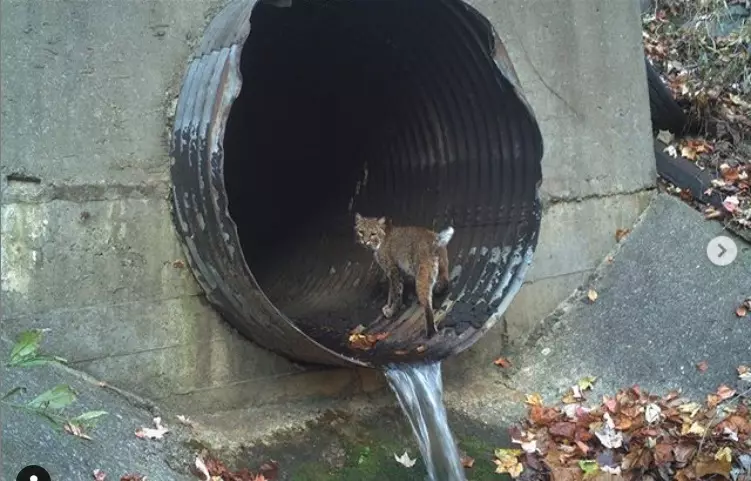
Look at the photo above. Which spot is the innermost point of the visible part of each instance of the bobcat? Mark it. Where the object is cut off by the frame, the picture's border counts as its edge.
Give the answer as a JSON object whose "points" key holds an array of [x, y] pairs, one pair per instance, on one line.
{"points": [[415, 251]]}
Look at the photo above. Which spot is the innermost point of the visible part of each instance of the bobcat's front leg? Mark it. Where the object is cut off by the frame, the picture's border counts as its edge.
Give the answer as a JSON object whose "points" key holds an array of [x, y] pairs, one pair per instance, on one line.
{"points": [[396, 286]]}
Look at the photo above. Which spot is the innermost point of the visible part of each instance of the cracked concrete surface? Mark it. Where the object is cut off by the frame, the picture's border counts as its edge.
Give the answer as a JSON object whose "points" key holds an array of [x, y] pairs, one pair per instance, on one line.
{"points": [[88, 247], [662, 308]]}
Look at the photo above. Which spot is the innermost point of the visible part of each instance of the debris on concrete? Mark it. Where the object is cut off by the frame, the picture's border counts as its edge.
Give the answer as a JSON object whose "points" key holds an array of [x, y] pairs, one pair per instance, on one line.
{"points": [[703, 50], [110, 450], [633, 435]]}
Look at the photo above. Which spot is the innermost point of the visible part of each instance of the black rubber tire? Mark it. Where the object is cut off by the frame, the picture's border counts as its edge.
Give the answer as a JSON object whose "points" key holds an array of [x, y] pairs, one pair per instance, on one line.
{"points": [[665, 112]]}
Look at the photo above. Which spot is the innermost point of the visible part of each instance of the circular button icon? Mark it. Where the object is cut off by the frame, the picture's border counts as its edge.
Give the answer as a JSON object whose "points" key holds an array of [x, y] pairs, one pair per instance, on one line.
{"points": [[33, 473], [722, 250]]}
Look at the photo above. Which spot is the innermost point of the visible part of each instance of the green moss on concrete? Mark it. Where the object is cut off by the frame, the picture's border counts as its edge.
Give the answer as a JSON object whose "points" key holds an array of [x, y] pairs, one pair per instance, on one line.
{"points": [[347, 448]]}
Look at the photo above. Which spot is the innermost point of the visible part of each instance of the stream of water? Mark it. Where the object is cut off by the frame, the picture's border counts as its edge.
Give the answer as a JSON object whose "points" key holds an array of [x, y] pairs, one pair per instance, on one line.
{"points": [[419, 389]]}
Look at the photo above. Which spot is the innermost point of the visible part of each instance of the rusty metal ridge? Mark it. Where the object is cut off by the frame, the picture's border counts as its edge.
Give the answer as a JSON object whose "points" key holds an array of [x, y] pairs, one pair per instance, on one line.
{"points": [[211, 84]]}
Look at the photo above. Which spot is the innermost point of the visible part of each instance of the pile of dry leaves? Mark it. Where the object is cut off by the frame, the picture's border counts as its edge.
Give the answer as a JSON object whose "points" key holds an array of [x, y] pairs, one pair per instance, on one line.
{"points": [[211, 469], [703, 50], [634, 436]]}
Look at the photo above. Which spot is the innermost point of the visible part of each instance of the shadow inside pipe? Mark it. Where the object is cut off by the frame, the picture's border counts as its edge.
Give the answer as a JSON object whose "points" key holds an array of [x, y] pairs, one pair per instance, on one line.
{"points": [[387, 108]]}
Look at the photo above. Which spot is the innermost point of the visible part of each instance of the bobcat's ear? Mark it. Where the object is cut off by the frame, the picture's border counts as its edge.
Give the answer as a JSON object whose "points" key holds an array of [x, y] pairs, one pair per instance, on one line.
{"points": [[358, 217], [382, 221]]}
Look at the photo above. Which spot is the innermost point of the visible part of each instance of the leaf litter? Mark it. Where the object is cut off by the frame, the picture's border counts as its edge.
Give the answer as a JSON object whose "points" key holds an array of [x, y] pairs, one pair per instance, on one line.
{"points": [[703, 51], [633, 436], [209, 468]]}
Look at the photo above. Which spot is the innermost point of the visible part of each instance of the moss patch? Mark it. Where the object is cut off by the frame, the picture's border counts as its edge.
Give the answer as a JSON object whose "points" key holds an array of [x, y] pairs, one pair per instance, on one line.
{"points": [[343, 447]]}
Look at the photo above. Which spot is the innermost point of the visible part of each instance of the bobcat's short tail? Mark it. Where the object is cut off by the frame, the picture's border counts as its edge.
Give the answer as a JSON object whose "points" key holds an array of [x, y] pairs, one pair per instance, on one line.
{"points": [[444, 237]]}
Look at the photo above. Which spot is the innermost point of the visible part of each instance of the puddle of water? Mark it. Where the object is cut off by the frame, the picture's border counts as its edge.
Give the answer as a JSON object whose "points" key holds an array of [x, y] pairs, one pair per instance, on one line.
{"points": [[419, 390]]}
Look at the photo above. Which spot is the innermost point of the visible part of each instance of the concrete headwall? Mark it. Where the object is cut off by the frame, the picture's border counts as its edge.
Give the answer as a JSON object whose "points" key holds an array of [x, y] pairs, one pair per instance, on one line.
{"points": [[88, 246]]}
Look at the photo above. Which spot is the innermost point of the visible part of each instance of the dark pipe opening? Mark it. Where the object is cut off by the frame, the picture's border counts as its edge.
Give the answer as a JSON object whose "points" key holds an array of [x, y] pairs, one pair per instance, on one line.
{"points": [[390, 107], [291, 119]]}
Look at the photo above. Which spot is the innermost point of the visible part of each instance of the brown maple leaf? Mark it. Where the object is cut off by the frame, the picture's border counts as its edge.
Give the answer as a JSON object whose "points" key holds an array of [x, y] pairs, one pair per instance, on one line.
{"points": [[502, 362]]}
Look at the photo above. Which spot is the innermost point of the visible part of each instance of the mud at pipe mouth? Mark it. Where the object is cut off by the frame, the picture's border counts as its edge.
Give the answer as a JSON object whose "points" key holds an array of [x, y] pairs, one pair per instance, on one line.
{"points": [[407, 109]]}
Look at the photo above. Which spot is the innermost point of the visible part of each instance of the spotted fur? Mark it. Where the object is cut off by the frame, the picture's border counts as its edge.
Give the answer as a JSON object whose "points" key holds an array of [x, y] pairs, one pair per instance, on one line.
{"points": [[413, 251]]}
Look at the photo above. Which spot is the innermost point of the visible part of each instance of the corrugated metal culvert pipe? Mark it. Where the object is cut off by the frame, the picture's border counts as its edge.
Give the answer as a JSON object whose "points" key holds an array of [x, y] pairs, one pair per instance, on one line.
{"points": [[293, 117]]}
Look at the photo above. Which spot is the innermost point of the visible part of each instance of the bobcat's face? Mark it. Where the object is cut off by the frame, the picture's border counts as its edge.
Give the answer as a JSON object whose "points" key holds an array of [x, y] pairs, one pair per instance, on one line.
{"points": [[370, 231]]}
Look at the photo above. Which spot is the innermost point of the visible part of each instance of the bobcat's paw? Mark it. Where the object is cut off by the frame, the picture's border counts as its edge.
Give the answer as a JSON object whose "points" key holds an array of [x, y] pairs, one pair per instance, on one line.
{"points": [[388, 311]]}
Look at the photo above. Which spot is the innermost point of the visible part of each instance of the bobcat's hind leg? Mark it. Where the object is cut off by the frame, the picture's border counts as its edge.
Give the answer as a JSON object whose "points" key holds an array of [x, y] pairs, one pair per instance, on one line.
{"points": [[442, 283], [424, 283]]}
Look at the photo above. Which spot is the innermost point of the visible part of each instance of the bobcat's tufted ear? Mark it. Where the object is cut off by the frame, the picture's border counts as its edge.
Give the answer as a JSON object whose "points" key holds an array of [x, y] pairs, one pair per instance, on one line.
{"points": [[358, 217]]}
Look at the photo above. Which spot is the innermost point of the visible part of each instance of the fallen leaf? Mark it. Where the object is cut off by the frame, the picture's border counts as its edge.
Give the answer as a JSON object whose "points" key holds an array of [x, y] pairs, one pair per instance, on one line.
{"points": [[542, 416], [729, 434], [741, 311], [202, 470], [405, 460], [744, 372], [688, 152], [589, 466], [529, 447], [696, 428], [636, 459], [663, 453], [712, 466], [586, 383], [731, 203], [592, 295], [365, 342], [615, 473], [502, 362], [153, 433], [583, 447], [608, 436], [724, 392], [534, 399], [99, 475], [665, 136], [713, 400], [724, 454], [563, 429], [570, 397], [702, 366], [671, 151], [507, 462], [690, 408], [563, 473], [623, 423], [467, 461], [178, 264], [652, 413], [269, 470], [621, 233], [421, 348], [683, 452], [184, 420], [610, 403]]}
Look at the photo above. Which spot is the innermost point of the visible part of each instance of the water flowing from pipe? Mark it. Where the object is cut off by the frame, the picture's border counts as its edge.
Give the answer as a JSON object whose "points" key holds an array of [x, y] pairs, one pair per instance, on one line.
{"points": [[419, 390]]}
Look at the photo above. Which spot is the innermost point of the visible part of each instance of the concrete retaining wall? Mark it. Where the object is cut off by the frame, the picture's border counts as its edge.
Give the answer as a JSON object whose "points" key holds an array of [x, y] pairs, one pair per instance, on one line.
{"points": [[89, 251]]}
